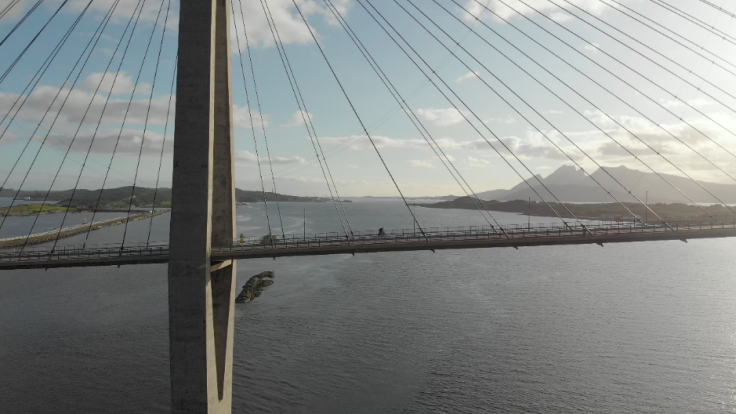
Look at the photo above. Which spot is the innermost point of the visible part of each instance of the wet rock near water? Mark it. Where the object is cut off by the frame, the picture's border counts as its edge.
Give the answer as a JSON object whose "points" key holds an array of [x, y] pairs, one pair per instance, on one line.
{"points": [[253, 288]]}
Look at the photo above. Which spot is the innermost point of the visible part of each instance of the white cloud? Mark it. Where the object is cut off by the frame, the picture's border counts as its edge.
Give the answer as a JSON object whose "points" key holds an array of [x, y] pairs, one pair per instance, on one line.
{"points": [[297, 119], [469, 75], [532, 146], [608, 152], [249, 157], [593, 48], [361, 142], [560, 17], [16, 11], [125, 9], [696, 103], [528, 148], [105, 51], [128, 142], [442, 116], [288, 160], [598, 117], [242, 119], [552, 112], [421, 164], [7, 135], [508, 120], [477, 162], [511, 7], [290, 26], [123, 84], [37, 105]]}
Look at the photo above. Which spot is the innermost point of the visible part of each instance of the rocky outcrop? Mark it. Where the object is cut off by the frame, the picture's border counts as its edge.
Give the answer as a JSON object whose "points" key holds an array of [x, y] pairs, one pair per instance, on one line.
{"points": [[254, 286]]}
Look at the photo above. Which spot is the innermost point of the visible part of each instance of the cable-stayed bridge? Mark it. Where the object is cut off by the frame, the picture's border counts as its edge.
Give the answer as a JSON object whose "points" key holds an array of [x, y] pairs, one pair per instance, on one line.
{"points": [[62, 44]]}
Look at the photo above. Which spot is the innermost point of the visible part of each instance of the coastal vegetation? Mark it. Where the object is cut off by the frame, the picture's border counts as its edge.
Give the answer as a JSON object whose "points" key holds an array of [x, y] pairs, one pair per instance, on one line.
{"points": [[33, 209], [598, 211], [119, 199]]}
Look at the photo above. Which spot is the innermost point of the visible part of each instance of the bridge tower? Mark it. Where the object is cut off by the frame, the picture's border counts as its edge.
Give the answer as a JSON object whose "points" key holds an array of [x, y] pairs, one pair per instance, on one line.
{"points": [[202, 292]]}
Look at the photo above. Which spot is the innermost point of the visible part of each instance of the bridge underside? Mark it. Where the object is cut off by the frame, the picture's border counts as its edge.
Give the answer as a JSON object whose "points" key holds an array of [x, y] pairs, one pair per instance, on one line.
{"points": [[372, 245]]}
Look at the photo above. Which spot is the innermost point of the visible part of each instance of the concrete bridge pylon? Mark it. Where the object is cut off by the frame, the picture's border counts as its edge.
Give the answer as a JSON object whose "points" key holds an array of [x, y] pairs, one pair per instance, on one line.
{"points": [[202, 292]]}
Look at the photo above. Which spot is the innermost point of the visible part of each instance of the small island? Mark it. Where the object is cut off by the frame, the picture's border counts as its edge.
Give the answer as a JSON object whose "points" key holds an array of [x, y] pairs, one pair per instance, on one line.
{"points": [[253, 288]]}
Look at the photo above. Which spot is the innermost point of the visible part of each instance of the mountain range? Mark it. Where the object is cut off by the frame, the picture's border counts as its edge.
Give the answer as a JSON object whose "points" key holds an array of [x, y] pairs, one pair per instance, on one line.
{"points": [[570, 184]]}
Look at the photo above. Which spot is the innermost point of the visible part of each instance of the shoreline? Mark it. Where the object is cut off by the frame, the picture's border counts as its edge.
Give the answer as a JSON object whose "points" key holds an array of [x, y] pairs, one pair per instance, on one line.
{"points": [[590, 211]]}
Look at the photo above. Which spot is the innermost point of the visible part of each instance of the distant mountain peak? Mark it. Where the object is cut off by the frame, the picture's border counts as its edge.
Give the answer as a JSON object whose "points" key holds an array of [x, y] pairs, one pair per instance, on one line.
{"points": [[571, 184], [565, 175]]}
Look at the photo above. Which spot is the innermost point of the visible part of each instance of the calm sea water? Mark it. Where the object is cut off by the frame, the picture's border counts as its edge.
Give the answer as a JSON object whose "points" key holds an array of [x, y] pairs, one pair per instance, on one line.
{"points": [[642, 327]]}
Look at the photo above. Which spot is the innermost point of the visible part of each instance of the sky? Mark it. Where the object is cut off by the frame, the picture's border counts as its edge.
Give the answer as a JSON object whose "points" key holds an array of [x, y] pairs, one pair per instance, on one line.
{"points": [[546, 82]]}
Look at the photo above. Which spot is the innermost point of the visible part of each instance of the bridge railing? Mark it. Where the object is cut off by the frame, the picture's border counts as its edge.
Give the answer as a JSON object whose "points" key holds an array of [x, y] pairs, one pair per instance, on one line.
{"points": [[85, 252], [394, 236], [371, 237]]}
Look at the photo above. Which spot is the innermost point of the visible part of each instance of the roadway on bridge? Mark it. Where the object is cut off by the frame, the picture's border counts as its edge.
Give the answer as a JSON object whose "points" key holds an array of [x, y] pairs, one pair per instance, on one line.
{"points": [[393, 241]]}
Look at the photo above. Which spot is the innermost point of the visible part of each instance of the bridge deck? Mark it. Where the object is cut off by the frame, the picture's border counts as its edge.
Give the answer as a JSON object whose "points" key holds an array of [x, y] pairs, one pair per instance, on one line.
{"points": [[402, 240]]}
